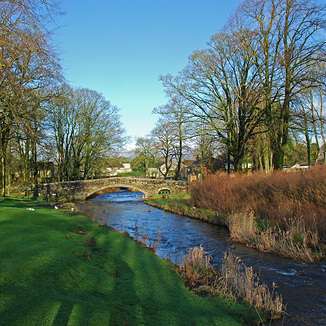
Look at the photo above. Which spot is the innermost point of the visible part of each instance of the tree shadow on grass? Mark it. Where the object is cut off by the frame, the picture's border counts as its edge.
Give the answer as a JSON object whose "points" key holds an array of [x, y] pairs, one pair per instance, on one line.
{"points": [[63, 315], [162, 299], [16, 202]]}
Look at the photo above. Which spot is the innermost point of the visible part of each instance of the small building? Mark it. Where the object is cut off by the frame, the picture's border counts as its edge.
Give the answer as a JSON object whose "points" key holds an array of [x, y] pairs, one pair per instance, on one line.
{"points": [[123, 168]]}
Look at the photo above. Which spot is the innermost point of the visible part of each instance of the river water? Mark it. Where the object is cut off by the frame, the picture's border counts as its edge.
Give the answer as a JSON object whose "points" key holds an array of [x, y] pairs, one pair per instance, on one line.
{"points": [[303, 286]]}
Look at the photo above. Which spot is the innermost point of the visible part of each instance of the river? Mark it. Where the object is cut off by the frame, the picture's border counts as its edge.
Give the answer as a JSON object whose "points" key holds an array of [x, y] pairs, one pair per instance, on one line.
{"points": [[303, 286]]}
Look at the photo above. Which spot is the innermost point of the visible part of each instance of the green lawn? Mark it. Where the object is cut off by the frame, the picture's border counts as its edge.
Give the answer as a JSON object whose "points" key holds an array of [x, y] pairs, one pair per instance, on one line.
{"points": [[57, 269]]}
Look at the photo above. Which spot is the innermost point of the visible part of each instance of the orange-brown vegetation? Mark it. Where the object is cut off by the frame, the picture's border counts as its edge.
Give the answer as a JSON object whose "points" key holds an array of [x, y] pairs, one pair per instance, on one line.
{"points": [[265, 209]]}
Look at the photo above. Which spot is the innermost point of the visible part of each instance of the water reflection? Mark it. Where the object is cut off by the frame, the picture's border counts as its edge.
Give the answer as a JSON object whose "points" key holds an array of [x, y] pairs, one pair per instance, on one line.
{"points": [[303, 286]]}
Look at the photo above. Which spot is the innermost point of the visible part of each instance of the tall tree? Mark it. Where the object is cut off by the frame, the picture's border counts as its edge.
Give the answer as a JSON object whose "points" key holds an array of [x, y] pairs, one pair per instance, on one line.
{"points": [[290, 34], [62, 122], [27, 63], [85, 129], [175, 113], [220, 89]]}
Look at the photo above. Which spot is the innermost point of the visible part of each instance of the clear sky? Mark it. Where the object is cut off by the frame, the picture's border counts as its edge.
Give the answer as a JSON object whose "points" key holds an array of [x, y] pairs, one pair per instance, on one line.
{"points": [[120, 47]]}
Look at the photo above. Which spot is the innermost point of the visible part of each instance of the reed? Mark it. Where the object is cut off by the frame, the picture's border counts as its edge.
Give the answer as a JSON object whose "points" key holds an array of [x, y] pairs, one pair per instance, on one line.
{"points": [[295, 242], [293, 203], [240, 282], [234, 280], [242, 228], [197, 270], [141, 236]]}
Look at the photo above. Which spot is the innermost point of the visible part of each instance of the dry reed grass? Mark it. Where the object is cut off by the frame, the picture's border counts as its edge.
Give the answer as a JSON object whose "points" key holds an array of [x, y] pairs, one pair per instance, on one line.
{"points": [[141, 236], [234, 280], [280, 198], [197, 270], [295, 242], [242, 228], [239, 281]]}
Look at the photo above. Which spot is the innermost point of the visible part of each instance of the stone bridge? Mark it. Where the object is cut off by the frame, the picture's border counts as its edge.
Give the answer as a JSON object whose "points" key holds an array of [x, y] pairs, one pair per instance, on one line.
{"points": [[80, 190]]}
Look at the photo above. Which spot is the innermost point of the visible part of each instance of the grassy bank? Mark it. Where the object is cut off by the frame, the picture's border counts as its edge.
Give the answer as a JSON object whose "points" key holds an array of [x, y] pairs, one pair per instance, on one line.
{"points": [[180, 204], [60, 268]]}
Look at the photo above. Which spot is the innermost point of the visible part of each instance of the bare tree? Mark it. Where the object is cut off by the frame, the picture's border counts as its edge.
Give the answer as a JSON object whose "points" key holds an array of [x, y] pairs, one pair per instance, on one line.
{"points": [[85, 129], [291, 45], [164, 136], [220, 90], [175, 113], [27, 63]]}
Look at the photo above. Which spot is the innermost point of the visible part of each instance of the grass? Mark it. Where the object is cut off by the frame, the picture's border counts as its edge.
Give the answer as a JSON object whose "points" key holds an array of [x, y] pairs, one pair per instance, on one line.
{"points": [[60, 268], [295, 242]]}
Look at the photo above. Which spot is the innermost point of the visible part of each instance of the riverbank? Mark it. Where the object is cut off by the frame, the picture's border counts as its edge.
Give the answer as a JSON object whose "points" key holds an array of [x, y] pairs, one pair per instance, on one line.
{"points": [[179, 204], [59, 268], [263, 235]]}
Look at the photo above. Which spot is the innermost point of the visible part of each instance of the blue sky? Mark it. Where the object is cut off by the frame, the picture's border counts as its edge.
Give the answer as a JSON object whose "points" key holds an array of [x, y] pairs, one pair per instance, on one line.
{"points": [[120, 47]]}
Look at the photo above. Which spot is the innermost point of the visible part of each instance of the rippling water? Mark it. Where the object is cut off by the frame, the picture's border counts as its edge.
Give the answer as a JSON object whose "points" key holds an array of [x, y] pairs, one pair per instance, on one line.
{"points": [[303, 286]]}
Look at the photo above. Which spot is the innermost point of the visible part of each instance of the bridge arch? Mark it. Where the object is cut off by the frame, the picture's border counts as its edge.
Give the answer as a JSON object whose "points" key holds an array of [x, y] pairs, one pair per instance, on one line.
{"points": [[121, 185], [164, 192]]}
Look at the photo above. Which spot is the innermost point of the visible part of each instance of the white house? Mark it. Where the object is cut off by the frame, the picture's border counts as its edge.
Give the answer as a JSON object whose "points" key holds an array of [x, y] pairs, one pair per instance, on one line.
{"points": [[117, 170]]}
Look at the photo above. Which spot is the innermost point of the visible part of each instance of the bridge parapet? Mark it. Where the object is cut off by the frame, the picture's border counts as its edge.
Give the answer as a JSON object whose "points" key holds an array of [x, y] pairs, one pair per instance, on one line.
{"points": [[80, 190]]}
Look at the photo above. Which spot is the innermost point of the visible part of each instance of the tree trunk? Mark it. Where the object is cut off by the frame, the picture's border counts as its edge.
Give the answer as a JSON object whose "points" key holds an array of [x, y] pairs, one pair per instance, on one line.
{"points": [[3, 172], [177, 172], [35, 170]]}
